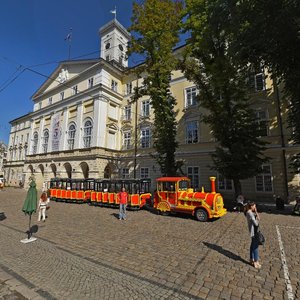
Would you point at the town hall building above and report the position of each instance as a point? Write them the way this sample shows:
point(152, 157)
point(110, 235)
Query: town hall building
point(85, 123)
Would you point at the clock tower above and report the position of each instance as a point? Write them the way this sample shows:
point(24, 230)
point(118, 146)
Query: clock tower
point(114, 39)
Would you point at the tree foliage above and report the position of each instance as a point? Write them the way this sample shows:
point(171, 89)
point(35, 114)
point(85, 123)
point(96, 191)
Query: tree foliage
point(269, 31)
point(221, 80)
point(155, 27)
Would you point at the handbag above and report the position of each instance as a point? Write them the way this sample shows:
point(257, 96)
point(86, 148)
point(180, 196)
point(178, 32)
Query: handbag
point(259, 237)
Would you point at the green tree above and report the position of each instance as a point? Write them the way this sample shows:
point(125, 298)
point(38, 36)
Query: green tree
point(269, 31)
point(155, 28)
point(222, 90)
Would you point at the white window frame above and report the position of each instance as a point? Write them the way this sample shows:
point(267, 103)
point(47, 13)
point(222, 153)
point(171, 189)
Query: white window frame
point(127, 139)
point(125, 173)
point(114, 85)
point(145, 108)
point(75, 90)
point(263, 121)
point(144, 172)
point(224, 184)
point(71, 136)
point(145, 137)
point(87, 133)
point(128, 88)
point(127, 112)
point(265, 180)
point(190, 96)
point(192, 134)
point(90, 82)
point(193, 172)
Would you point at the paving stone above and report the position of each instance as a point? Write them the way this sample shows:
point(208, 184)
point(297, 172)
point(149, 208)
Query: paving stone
point(84, 252)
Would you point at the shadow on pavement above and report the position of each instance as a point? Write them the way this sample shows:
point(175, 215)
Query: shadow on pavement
point(225, 252)
point(33, 229)
point(2, 216)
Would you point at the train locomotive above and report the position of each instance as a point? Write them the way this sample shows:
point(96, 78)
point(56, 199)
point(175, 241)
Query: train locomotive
point(174, 194)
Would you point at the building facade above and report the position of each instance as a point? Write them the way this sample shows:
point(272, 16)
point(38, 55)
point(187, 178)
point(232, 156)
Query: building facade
point(85, 124)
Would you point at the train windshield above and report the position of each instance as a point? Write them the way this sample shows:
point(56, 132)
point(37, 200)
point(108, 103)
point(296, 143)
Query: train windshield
point(183, 185)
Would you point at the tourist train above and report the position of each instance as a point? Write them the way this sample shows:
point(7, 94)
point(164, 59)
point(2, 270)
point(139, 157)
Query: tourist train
point(173, 194)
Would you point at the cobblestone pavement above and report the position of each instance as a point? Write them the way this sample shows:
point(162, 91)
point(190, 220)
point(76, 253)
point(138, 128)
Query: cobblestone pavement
point(85, 252)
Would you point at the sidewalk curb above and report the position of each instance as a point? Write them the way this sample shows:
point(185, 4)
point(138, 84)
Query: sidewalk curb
point(15, 285)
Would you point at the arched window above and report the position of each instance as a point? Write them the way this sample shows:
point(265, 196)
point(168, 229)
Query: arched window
point(45, 140)
point(87, 134)
point(71, 136)
point(35, 143)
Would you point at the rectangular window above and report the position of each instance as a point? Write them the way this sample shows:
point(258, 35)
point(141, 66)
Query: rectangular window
point(125, 173)
point(224, 183)
point(144, 173)
point(264, 180)
point(146, 108)
point(128, 88)
point(145, 138)
point(190, 96)
point(127, 140)
point(74, 90)
point(257, 79)
point(61, 95)
point(50, 101)
point(193, 174)
point(40, 105)
point(127, 112)
point(90, 82)
point(114, 85)
point(192, 132)
point(263, 123)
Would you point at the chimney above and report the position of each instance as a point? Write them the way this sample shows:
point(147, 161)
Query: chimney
point(213, 184)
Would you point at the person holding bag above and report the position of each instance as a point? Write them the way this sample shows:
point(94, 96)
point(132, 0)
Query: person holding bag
point(253, 223)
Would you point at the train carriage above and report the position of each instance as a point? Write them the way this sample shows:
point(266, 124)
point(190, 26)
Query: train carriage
point(102, 192)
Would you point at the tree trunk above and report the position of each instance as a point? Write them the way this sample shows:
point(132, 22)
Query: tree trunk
point(237, 188)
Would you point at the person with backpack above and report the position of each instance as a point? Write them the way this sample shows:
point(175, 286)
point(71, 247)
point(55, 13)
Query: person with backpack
point(253, 223)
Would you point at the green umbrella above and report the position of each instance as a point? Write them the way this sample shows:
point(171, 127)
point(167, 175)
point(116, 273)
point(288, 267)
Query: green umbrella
point(30, 203)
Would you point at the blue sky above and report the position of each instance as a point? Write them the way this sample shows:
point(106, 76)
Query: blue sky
point(33, 33)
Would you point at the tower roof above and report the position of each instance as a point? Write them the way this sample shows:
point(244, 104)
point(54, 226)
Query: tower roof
point(110, 25)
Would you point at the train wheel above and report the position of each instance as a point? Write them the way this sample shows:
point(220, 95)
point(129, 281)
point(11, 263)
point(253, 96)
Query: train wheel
point(201, 215)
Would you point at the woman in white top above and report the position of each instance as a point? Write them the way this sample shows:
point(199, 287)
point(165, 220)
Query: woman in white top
point(42, 206)
point(253, 222)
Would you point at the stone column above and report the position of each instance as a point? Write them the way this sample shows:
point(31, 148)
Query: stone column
point(101, 117)
point(41, 136)
point(30, 137)
point(64, 130)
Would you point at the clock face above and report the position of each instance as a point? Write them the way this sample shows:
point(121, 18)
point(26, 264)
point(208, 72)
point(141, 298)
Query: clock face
point(107, 46)
point(121, 47)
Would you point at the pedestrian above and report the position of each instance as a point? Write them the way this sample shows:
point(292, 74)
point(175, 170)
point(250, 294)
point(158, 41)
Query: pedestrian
point(42, 206)
point(123, 198)
point(253, 223)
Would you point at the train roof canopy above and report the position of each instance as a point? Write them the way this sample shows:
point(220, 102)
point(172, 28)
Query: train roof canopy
point(174, 179)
